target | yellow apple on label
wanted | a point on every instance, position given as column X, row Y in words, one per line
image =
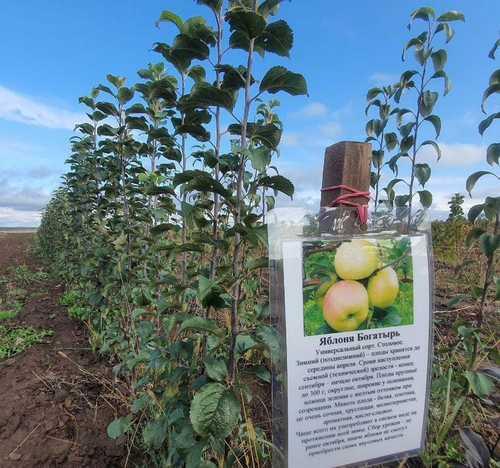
column 356, row 259
column 345, row 306
column 383, row 288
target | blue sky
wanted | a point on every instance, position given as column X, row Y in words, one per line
column 53, row 52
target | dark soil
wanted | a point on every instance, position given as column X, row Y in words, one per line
column 57, row 398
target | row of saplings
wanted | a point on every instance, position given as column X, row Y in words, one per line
column 347, row 302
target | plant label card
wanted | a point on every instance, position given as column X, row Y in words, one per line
column 358, row 331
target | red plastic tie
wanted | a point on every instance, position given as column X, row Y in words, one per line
column 345, row 200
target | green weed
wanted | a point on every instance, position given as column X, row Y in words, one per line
column 16, row 340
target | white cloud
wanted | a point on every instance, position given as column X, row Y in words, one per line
column 21, row 205
column 18, row 108
column 384, row 79
column 10, row 217
column 331, row 130
column 313, row 109
column 455, row 154
column 290, row 139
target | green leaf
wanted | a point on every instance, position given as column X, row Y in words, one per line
column 391, row 141
column 259, row 157
column 401, row 200
column 422, row 173
column 216, row 369
column 497, row 283
column 400, row 113
column 263, row 374
column 456, row 300
column 423, row 13
column 107, row 108
column 492, row 207
column 278, row 183
column 373, row 102
column 270, row 338
column 234, row 78
column 137, row 123
column 493, row 154
column 447, row 83
column 280, row 79
column 487, row 122
column 406, row 129
column 268, row 135
column 390, row 317
column 473, row 178
column 269, row 7
column 197, row 28
column 474, row 234
column 214, row 411
column 140, row 403
column 117, row 81
column 119, row 427
column 374, row 127
column 373, row 93
column 492, row 89
column 474, row 212
column 377, row 158
column 155, row 433
column 209, row 293
column 257, row 263
column 243, row 344
column 434, row 145
column 452, row 15
column 85, row 128
column 392, row 184
column 277, row 38
column 189, row 48
column 493, row 50
column 125, row 95
column 447, row 29
column 480, row 384
column 136, row 109
column 195, row 130
column 436, row 122
column 425, row 198
column 205, row 95
column 439, row 59
column 417, row 43
column 489, row 243
column 199, row 180
column 427, row 102
column 184, row 50
column 215, row 5
column 249, row 23
column 495, row 77
column 106, row 130
column 406, row 143
column 201, row 325
column 105, row 89
column 197, row 74
column 168, row 16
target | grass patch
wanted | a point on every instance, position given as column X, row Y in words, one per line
column 25, row 277
column 16, row 340
column 7, row 314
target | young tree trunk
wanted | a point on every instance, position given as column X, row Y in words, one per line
column 236, row 266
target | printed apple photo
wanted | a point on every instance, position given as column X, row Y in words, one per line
column 357, row 284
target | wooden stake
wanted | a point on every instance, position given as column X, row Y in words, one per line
column 346, row 163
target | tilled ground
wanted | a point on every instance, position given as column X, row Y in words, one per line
column 56, row 398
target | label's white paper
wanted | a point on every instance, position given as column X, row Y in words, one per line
column 360, row 395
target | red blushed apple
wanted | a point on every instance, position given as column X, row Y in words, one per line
column 345, row 306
